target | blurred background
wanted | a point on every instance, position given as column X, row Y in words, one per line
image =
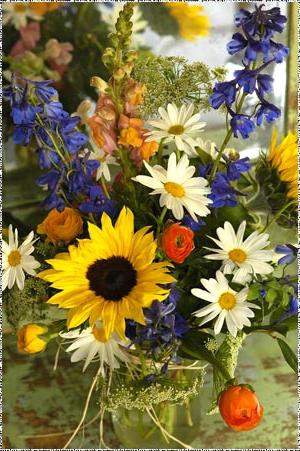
column 64, row 42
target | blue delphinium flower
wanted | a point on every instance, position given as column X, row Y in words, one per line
column 223, row 93
column 243, row 124
column 44, row 91
column 188, row 221
column 289, row 251
column 268, row 111
column 222, row 194
column 164, row 326
column 235, row 168
column 292, row 309
column 254, row 40
column 97, row 203
column 37, row 113
column 47, row 158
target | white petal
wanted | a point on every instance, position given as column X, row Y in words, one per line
column 220, row 321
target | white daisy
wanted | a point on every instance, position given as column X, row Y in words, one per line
column 225, row 304
column 177, row 187
column 17, row 14
column 105, row 160
column 91, row 343
column 242, row 258
column 16, row 260
column 110, row 16
column 179, row 126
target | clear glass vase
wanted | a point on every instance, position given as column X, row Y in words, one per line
column 164, row 425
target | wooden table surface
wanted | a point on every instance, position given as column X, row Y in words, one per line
column 38, row 401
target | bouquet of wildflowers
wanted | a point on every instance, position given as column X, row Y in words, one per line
column 153, row 258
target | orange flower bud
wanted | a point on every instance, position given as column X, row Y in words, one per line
column 177, row 242
column 240, row 408
column 61, row 226
column 28, row 339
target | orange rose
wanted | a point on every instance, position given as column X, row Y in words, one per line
column 28, row 339
column 61, row 226
column 177, row 242
column 240, row 408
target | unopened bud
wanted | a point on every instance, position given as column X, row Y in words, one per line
column 132, row 55
column 98, row 83
column 119, row 74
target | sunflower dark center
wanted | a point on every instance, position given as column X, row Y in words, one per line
column 112, row 279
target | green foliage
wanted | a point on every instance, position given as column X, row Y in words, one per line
column 288, row 354
column 159, row 18
column 227, row 355
column 172, row 79
column 273, row 297
column 28, row 305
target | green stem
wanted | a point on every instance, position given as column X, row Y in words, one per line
column 278, row 214
column 226, row 140
column 160, row 150
column 212, row 360
column 160, row 221
column 104, row 186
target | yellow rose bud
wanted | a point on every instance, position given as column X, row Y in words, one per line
column 61, row 226
column 28, row 339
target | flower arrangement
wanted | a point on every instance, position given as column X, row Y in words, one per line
column 153, row 257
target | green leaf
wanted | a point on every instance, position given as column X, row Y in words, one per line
column 254, row 292
column 271, row 296
column 288, row 354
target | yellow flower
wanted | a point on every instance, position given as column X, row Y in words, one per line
column 130, row 137
column 284, row 158
column 28, row 338
column 110, row 276
column 190, row 21
column 61, row 226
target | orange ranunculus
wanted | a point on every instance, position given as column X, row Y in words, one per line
column 130, row 137
column 177, row 242
column 61, row 226
column 240, row 408
column 28, row 338
column 41, row 8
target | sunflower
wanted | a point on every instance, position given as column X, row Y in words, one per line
column 191, row 21
column 110, row 276
column 284, row 159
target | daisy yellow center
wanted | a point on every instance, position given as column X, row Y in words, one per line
column 237, row 255
column 14, row 258
column 227, row 301
column 174, row 189
column 176, row 130
column 99, row 334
